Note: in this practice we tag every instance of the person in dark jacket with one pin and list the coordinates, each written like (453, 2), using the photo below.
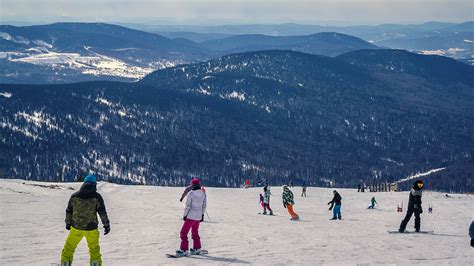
(303, 191)
(336, 206)
(81, 220)
(471, 233)
(414, 207)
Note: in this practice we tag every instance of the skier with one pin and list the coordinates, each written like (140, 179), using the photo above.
(196, 203)
(288, 202)
(266, 200)
(471, 233)
(372, 202)
(291, 184)
(303, 192)
(430, 209)
(81, 221)
(414, 207)
(336, 206)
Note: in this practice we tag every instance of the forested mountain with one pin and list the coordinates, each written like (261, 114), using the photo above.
(275, 115)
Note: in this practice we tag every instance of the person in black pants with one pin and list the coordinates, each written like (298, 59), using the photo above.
(414, 207)
(336, 206)
(471, 233)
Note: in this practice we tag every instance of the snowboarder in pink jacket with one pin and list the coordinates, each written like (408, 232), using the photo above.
(196, 202)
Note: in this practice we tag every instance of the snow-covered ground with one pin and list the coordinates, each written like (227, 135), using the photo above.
(97, 65)
(146, 220)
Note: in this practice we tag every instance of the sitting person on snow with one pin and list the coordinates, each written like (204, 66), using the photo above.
(372, 203)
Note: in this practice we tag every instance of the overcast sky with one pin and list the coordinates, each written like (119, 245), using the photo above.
(206, 12)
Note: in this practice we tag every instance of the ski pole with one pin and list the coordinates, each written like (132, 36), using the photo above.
(208, 215)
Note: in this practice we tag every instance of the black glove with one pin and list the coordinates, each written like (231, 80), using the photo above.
(184, 218)
(180, 200)
(330, 208)
(202, 218)
(284, 205)
(106, 230)
(68, 227)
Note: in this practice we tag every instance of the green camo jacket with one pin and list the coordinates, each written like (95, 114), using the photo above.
(287, 196)
(83, 206)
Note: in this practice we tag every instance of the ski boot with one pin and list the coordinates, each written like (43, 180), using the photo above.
(181, 253)
(195, 251)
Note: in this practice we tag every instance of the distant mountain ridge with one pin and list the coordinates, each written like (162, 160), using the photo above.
(327, 43)
(448, 39)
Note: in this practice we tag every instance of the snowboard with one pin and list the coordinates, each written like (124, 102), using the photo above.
(173, 256)
(411, 232)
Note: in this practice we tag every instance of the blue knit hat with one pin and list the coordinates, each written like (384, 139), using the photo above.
(90, 178)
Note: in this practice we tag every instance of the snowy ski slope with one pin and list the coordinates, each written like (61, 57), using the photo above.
(145, 223)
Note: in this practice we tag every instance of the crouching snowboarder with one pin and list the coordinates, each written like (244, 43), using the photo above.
(196, 203)
(372, 203)
(288, 203)
(414, 207)
(81, 220)
(336, 206)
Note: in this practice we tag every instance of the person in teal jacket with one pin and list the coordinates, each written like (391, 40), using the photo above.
(372, 202)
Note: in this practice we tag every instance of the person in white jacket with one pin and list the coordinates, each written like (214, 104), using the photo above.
(193, 215)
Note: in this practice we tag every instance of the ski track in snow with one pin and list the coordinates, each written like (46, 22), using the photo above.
(146, 220)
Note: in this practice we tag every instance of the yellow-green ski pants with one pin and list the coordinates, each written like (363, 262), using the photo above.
(75, 236)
